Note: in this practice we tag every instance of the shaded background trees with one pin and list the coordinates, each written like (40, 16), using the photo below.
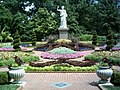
(41, 16)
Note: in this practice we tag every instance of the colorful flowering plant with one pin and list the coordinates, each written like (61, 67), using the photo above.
(61, 53)
(105, 63)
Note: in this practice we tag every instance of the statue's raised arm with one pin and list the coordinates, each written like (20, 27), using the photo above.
(63, 16)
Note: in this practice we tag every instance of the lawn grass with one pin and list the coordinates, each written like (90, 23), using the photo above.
(8, 87)
(112, 87)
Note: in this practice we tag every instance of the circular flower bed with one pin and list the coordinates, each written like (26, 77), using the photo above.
(61, 52)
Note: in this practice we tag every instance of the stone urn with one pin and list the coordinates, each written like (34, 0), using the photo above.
(16, 74)
(104, 73)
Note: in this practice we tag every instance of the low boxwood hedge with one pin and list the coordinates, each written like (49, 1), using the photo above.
(113, 60)
(68, 68)
(24, 58)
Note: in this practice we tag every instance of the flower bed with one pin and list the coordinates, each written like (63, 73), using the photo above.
(7, 49)
(61, 52)
(61, 68)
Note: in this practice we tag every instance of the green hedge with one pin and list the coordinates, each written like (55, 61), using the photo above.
(61, 68)
(3, 78)
(115, 79)
(94, 58)
(24, 58)
(30, 58)
(85, 37)
(6, 62)
(113, 60)
(89, 38)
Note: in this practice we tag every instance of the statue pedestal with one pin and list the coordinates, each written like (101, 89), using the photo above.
(63, 33)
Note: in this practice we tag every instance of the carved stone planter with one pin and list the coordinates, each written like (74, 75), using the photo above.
(104, 73)
(16, 74)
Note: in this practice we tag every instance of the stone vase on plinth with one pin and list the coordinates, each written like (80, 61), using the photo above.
(16, 74)
(104, 73)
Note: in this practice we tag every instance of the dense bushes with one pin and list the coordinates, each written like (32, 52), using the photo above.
(3, 77)
(24, 58)
(34, 38)
(16, 41)
(114, 57)
(6, 58)
(110, 40)
(115, 79)
(94, 38)
(63, 67)
(89, 38)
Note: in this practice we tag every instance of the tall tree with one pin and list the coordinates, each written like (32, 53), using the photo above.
(44, 23)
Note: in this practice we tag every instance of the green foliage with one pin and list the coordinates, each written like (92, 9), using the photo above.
(110, 40)
(62, 50)
(114, 57)
(93, 57)
(60, 68)
(7, 58)
(83, 17)
(63, 41)
(101, 38)
(16, 41)
(110, 87)
(94, 38)
(6, 62)
(51, 38)
(44, 23)
(30, 58)
(115, 79)
(9, 87)
(3, 78)
(85, 37)
(34, 38)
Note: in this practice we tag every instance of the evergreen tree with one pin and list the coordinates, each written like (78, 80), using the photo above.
(16, 41)
(94, 38)
(110, 40)
(34, 39)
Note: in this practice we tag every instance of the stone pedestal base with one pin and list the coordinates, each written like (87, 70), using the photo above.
(63, 33)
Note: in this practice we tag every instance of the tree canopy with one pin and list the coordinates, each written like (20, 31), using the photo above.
(41, 16)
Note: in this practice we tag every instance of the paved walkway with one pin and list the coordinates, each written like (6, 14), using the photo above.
(65, 81)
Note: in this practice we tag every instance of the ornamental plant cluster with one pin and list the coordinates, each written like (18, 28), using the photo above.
(16, 41)
(6, 49)
(61, 52)
(63, 41)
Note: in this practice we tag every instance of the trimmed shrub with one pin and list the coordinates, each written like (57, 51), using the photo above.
(3, 77)
(101, 38)
(6, 62)
(16, 41)
(63, 41)
(24, 58)
(85, 37)
(115, 79)
(94, 38)
(34, 38)
(94, 58)
(110, 40)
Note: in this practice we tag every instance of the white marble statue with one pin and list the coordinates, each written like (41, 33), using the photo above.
(63, 16)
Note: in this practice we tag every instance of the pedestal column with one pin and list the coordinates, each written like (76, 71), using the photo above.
(63, 33)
